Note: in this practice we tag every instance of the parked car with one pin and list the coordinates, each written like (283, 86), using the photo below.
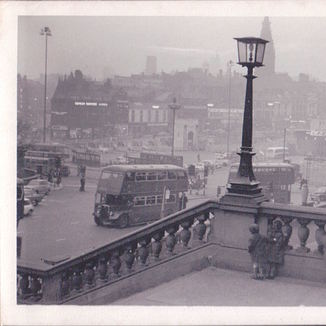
(31, 194)
(103, 149)
(320, 205)
(28, 207)
(41, 186)
(319, 195)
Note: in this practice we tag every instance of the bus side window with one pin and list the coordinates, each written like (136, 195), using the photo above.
(151, 176)
(140, 176)
(181, 175)
(139, 201)
(171, 199)
(150, 200)
(162, 175)
(172, 175)
(130, 176)
(159, 199)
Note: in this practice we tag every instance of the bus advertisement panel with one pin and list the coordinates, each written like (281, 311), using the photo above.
(137, 194)
(275, 178)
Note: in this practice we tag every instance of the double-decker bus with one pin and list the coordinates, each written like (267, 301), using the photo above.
(137, 194)
(42, 165)
(275, 178)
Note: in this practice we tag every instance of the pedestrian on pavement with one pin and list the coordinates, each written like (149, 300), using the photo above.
(275, 248)
(218, 192)
(258, 252)
(82, 183)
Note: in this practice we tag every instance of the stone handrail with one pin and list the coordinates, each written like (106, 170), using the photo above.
(304, 216)
(97, 268)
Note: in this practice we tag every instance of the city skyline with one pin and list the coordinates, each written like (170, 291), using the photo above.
(105, 46)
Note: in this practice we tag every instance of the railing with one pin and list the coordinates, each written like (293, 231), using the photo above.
(149, 245)
(304, 219)
(171, 238)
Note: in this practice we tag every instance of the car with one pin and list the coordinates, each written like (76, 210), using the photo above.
(31, 194)
(320, 205)
(103, 149)
(41, 186)
(319, 195)
(28, 207)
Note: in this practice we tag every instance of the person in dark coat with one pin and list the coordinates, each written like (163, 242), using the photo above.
(275, 248)
(258, 253)
(82, 183)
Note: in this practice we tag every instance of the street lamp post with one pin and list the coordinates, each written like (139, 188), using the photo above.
(251, 54)
(46, 32)
(230, 64)
(173, 106)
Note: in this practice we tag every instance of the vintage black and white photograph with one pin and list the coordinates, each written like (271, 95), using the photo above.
(174, 160)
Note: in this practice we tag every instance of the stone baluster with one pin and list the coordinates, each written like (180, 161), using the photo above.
(35, 287)
(303, 234)
(143, 251)
(102, 269)
(320, 236)
(185, 233)
(171, 240)
(129, 256)
(157, 245)
(77, 279)
(24, 285)
(89, 275)
(287, 232)
(65, 285)
(115, 263)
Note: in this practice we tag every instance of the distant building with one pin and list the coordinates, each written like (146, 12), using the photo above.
(87, 109)
(147, 118)
(151, 65)
(186, 134)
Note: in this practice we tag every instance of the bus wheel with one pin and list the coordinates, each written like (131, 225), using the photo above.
(97, 220)
(123, 221)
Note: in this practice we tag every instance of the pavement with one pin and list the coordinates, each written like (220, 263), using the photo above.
(218, 287)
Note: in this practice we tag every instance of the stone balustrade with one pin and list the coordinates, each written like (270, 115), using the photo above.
(223, 229)
(163, 240)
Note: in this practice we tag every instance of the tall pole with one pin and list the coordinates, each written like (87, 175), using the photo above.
(284, 139)
(173, 123)
(46, 32)
(229, 110)
(45, 84)
(173, 106)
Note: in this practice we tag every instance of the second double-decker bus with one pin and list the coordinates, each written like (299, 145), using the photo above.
(137, 194)
(275, 178)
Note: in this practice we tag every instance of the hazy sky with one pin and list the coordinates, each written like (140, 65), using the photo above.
(119, 45)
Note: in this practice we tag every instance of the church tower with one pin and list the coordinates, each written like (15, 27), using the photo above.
(269, 58)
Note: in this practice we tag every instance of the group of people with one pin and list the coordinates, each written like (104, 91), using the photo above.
(267, 252)
(54, 177)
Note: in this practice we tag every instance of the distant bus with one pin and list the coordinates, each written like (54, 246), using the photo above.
(156, 158)
(137, 194)
(86, 157)
(277, 152)
(41, 165)
(275, 178)
(53, 147)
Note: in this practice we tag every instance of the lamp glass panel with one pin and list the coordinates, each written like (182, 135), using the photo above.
(260, 53)
(242, 51)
